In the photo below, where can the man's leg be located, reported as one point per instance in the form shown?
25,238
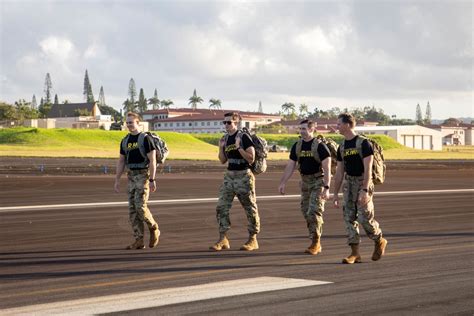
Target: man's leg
134,216
245,189
224,203
366,217
350,219
142,194
315,215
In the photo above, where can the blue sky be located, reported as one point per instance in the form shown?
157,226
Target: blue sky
389,54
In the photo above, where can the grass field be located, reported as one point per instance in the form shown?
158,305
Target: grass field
37,142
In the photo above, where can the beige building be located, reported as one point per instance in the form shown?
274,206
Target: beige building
459,134
202,120
413,136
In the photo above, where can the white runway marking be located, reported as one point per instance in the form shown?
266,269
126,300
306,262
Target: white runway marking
205,200
156,298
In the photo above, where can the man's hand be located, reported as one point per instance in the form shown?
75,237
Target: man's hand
116,186
324,194
153,186
222,142
281,189
237,141
336,200
364,198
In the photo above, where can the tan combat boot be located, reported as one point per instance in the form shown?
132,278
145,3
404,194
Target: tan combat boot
137,244
315,246
379,249
222,243
154,236
354,257
251,244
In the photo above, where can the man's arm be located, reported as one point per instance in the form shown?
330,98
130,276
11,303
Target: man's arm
248,154
152,169
338,181
289,169
222,156
326,165
118,171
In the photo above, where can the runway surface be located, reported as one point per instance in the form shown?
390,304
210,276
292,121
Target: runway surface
57,255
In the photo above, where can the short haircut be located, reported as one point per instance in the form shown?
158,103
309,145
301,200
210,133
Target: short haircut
347,118
134,115
310,123
234,116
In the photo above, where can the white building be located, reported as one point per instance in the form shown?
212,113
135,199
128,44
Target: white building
202,120
413,136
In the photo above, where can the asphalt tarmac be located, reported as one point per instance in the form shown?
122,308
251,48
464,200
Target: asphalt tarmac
69,252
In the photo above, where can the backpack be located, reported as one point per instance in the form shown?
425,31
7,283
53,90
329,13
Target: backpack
261,152
161,149
331,145
378,166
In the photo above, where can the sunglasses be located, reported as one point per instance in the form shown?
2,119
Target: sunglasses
227,122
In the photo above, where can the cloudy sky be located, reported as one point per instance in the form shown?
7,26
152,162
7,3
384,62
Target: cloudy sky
390,54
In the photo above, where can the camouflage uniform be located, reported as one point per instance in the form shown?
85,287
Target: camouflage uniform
138,192
240,183
355,214
312,205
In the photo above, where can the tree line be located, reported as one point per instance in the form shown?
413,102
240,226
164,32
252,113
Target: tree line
289,111
140,104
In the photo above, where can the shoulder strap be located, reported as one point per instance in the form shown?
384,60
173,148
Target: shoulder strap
341,149
360,139
314,149
124,144
299,145
141,144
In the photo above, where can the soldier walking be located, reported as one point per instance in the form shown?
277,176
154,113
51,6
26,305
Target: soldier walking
313,159
141,179
354,164
238,150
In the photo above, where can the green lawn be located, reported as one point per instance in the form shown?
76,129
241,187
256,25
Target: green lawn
37,142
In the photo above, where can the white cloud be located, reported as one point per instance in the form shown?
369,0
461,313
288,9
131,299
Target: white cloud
57,48
315,41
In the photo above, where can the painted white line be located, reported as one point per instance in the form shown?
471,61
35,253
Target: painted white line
205,200
156,298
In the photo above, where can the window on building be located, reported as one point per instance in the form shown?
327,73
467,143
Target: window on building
190,124
208,124
171,124
202,123
159,124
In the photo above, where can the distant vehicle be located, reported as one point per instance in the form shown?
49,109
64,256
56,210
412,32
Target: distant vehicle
277,148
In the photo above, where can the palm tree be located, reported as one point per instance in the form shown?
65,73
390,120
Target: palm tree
154,101
303,110
288,108
215,103
194,100
165,104
129,106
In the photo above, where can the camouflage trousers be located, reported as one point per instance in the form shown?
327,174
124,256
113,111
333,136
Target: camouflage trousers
312,206
355,214
241,184
138,193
